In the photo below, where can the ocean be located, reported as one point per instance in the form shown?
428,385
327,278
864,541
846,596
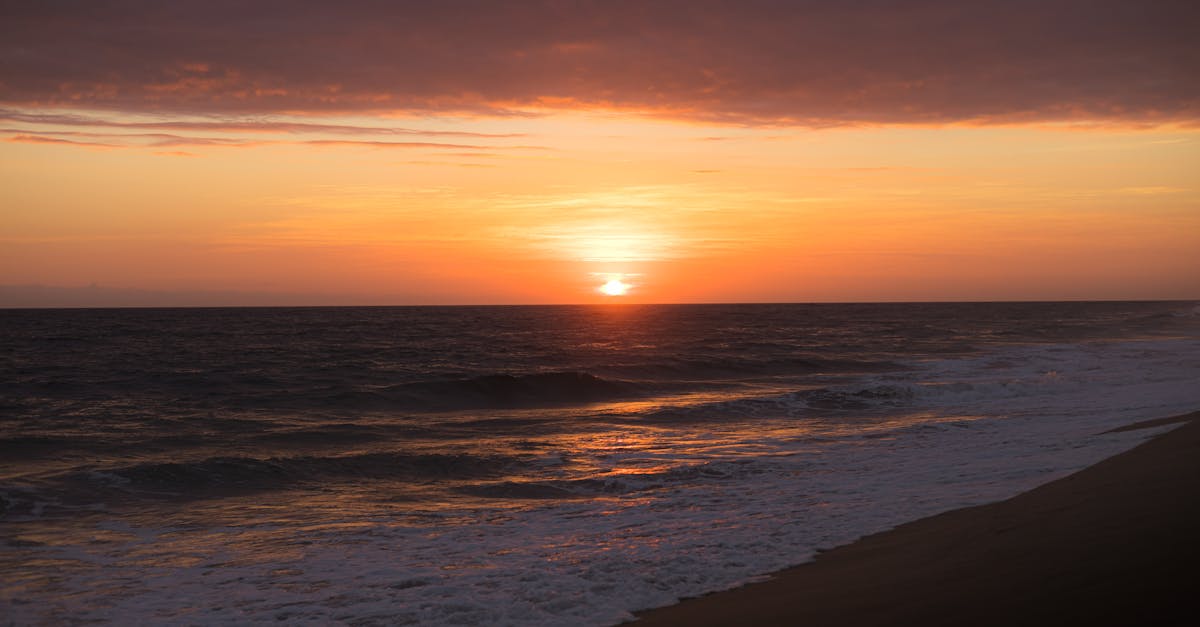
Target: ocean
528,465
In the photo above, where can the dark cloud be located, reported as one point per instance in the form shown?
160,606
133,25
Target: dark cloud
800,62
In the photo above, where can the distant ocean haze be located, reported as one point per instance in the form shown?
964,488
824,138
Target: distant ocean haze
528,465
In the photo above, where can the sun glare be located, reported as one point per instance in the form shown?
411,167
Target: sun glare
615,287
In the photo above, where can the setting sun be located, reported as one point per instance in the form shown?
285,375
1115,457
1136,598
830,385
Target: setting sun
615,287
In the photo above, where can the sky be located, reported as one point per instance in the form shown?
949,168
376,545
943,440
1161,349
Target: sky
383,153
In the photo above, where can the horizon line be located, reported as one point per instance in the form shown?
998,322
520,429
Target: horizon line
612,304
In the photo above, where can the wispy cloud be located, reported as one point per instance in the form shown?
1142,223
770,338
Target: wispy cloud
169,140
172,131
1151,190
41,139
233,125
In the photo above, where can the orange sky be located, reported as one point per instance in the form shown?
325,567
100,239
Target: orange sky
547,197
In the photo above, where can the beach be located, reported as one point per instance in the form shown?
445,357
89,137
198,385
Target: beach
1113,544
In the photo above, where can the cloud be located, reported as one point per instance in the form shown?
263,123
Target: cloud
814,63
233,125
167,140
383,144
41,139
71,128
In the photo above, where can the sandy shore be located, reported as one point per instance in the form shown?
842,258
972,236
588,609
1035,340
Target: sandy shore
1114,544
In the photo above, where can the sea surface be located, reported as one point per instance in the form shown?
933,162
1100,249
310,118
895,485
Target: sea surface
527,465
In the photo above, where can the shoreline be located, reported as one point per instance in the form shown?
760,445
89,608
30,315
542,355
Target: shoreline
1108,545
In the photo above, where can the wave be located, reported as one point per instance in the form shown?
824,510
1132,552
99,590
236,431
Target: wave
798,404
333,434
556,389
737,367
510,390
615,485
868,397
490,391
253,473
227,389
216,477
28,446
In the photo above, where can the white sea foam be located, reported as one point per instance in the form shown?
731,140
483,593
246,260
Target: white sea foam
953,433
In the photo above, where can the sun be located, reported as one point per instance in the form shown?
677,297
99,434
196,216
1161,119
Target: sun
615,287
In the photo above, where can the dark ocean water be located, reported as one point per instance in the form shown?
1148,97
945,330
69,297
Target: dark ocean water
526,465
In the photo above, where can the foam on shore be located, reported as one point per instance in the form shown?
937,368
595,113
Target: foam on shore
1113,544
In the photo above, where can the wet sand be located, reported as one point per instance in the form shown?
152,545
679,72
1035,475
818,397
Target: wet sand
1117,543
